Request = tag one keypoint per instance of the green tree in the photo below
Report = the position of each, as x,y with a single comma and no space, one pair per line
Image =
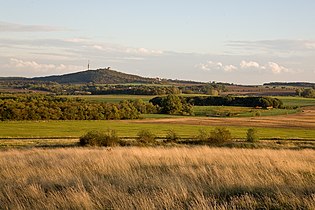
308,93
172,105
220,135
251,135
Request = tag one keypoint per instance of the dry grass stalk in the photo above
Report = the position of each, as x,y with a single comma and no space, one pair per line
157,178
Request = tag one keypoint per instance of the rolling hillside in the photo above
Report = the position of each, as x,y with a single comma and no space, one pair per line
99,76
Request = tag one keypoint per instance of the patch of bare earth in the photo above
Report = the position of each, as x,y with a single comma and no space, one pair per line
304,119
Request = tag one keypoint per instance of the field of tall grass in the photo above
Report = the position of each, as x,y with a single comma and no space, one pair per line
157,178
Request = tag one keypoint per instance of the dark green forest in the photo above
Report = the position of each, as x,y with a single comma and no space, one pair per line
43,107
226,101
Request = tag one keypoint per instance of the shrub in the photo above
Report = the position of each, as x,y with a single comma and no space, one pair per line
203,135
146,136
172,136
220,135
251,135
257,114
97,138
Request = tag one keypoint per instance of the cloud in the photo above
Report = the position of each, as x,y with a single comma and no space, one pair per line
14,27
34,66
143,51
211,66
276,68
229,68
249,64
74,49
310,45
281,47
77,40
271,67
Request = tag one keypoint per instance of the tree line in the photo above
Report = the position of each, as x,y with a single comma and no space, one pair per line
306,93
224,101
43,107
117,89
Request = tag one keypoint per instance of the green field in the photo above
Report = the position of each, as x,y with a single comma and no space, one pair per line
44,129
234,111
111,98
296,101
287,100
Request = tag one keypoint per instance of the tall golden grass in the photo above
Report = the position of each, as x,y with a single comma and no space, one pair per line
157,178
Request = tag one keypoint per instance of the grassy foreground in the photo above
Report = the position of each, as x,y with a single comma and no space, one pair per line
157,178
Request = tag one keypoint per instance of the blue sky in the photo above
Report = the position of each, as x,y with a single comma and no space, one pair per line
248,42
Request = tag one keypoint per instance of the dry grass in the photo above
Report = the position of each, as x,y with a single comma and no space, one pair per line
157,178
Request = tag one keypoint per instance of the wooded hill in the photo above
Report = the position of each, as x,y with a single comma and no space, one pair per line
292,84
99,76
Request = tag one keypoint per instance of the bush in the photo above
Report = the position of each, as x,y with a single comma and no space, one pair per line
220,135
257,114
146,136
251,135
203,135
97,138
172,136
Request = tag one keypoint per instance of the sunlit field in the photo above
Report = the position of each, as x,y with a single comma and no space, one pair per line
157,178
43,129
234,111
111,98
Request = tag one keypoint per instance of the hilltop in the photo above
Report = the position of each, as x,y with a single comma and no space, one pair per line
99,76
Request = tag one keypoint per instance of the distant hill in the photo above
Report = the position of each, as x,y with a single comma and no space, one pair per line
99,76
12,78
294,84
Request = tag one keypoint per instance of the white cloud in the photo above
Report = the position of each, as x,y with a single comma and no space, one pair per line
276,68
98,47
310,45
211,66
14,27
229,68
271,67
143,51
249,64
76,40
33,66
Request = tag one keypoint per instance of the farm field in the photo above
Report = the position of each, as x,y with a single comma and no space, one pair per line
274,124
157,178
234,111
287,100
111,98
185,127
296,101
303,120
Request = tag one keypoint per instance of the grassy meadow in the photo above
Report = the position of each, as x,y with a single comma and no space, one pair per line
42,175
287,100
296,101
112,98
157,178
44,129
234,111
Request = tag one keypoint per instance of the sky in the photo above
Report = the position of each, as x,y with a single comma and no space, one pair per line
235,41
